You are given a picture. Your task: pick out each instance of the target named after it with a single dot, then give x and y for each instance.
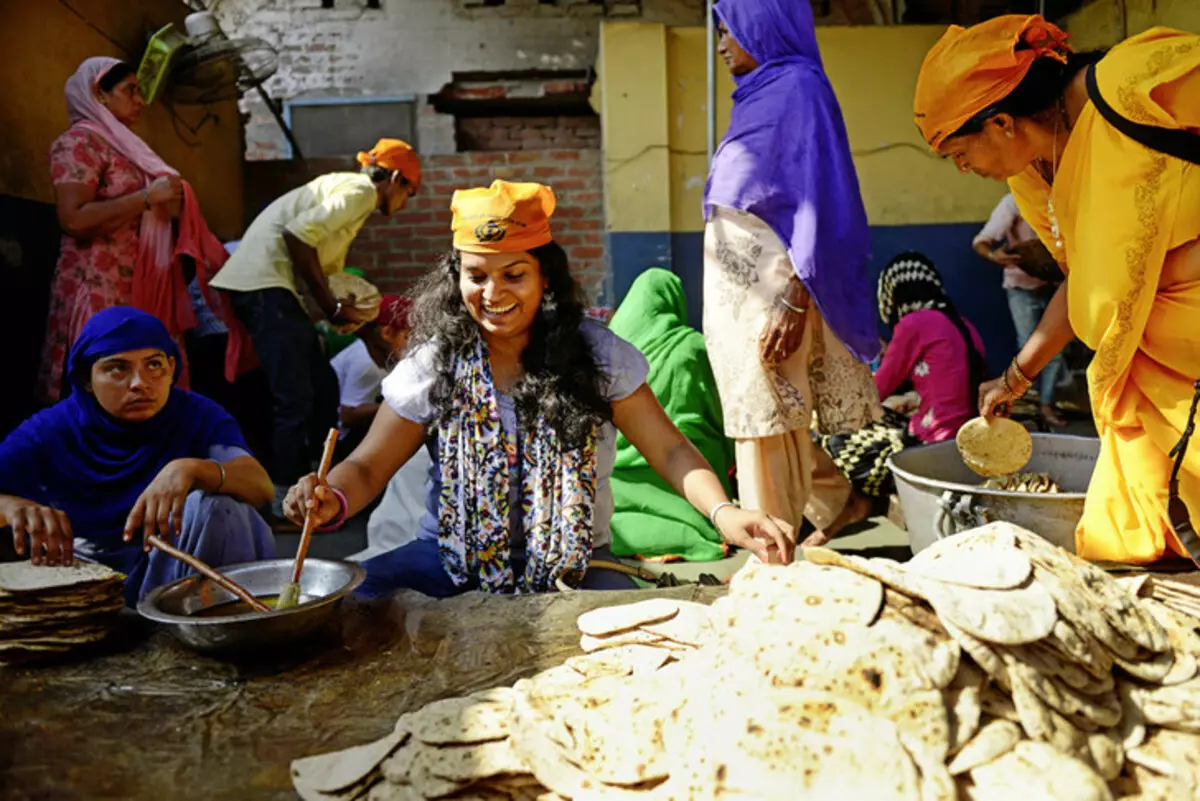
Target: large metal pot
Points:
(941, 497)
(323, 585)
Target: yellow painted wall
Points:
(873, 71)
(634, 59)
(44, 42)
(1098, 25)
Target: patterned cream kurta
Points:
(769, 409)
(746, 267)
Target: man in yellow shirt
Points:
(303, 237)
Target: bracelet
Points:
(220, 467)
(146, 198)
(337, 311)
(786, 305)
(343, 504)
(1020, 373)
(712, 515)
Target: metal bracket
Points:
(958, 512)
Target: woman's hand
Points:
(159, 509)
(784, 331)
(350, 314)
(51, 540)
(309, 493)
(164, 189)
(758, 533)
(995, 398)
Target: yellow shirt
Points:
(326, 213)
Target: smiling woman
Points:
(520, 399)
(129, 455)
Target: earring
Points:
(1009, 133)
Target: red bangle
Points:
(343, 505)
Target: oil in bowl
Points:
(233, 608)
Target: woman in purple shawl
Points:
(789, 318)
(128, 454)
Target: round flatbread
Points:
(995, 447)
(367, 297)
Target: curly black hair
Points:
(562, 380)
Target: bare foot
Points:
(855, 511)
(1051, 417)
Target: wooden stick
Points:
(307, 532)
(206, 571)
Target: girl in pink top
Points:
(932, 347)
(930, 351)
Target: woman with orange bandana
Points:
(1101, 152)
(519, 398)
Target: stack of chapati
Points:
(1040, 483)
(1181, 591)
(50, 610)
(991, 666)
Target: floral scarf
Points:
(558, 491)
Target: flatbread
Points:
(1037, 771)
(1010, 617)
(333, 772)
(590, 644)
(797, 744)
(1170, 753)
(805, 592)
(609, 620)
(25, 577)
(461, 721)
(992, 741)
(469, 763)
(687, 627)
(984, 558)
(994, 447)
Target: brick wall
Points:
(395, 252)
(528, 133)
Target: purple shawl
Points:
(786, 160)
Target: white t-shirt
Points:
(406, 392)
(360, 379)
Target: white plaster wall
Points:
(413, 47)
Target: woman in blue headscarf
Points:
(788, 303)
(127, 452)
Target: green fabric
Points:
(650, 519)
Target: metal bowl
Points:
(941, 497)
(323, 585)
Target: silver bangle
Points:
(712, 515)
(786, 305)
(220, 467)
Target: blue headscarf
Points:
(786, 160)
(76, 458)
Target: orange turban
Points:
(972, 69)
(393, 154)
(504, 218)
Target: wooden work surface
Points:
(141, 717)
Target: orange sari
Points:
(1129, 218)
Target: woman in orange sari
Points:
(1120, 210)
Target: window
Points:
(338, 126)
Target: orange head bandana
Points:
(971, 69)
(504, 218)
(393, 154)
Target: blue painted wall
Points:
(973, 284)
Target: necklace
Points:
(1055, 231)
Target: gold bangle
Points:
(1021, 373)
